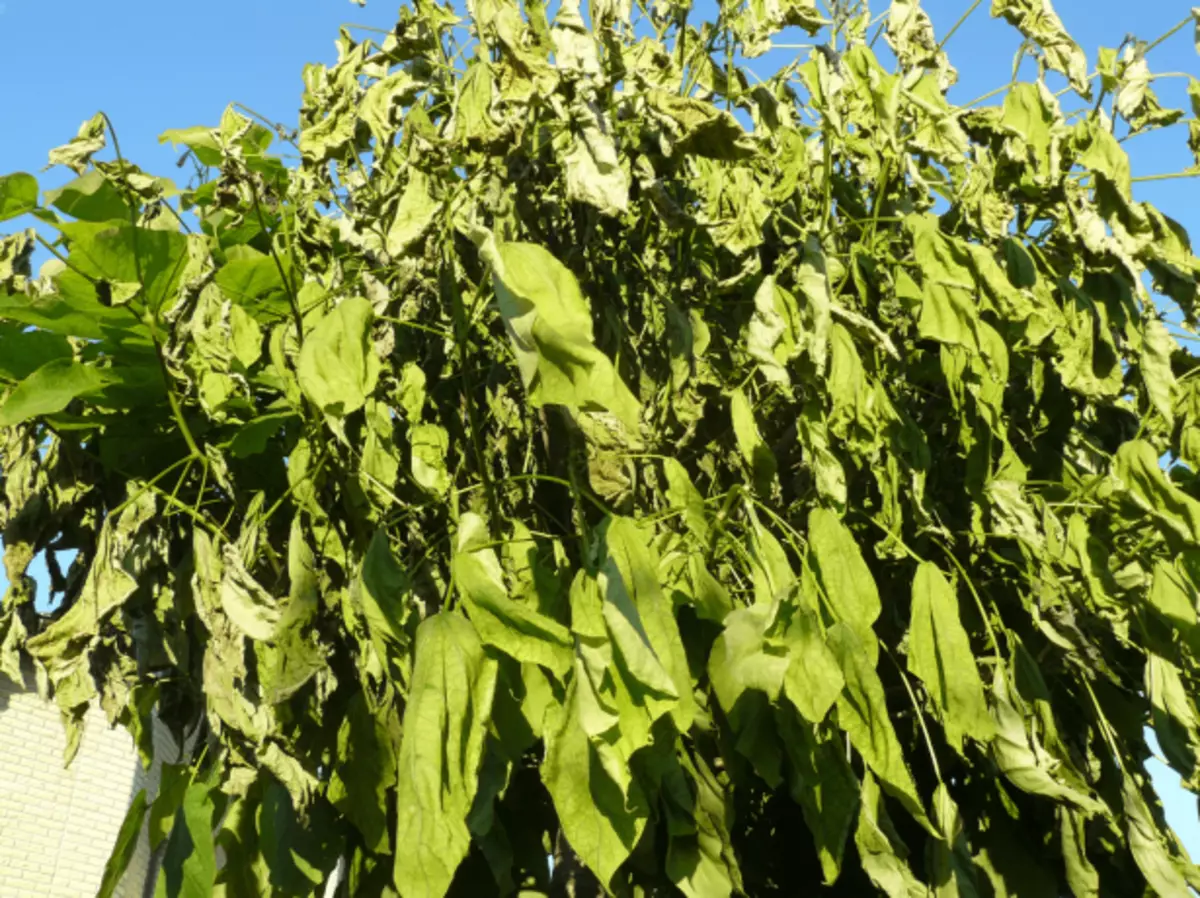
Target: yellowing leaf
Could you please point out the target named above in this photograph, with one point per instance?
(1037, 20)
(415, 213)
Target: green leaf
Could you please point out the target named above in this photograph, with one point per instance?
(883, 855)
(18, 195)
(1175, 719)
(683, 495)
(338, 366)
(601, 823)
(823, 784)
(90, 197)
(593, 167)
(51, 388)
(299, 846)
(24, 351)
(1157, 348)
(133, 260)
(78, 152)
(1136, 467)
(513, 627)
(1105, 156)
(1082, 876)
(697, 128)
(700, 856)
(1146, 843)
(948, 310)
(754, 450)
(384, 591)
(1024, 761)
(813, 680)
(174, 780)
(189, 866)
(430, 446)
(254, 610)
(1172, 595)
(846, 580)
(863, 714)
(248, 277)
(640, 619)
(1039, 23)
(448, 706)
(550, 325)
(75, 311)
(939, 652)
(415, 214)
(742, 659)
(252, 437)
(124, 847)
(363, 773)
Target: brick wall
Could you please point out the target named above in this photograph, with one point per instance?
(57, 826)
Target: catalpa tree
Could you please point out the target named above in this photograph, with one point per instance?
(584, 445)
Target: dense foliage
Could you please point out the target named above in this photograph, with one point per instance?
(591, 446)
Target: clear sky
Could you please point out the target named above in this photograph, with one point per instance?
(153, 65)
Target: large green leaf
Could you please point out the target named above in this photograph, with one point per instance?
(124, 847)
(939, 652)
(601, 823)
(51, 388)
(863, 714)
(550, 325)
(511, 626)
(449, 703)
(24, 351)
(132, 259)
(1136, 466)
(189, 866)
(338, 366)
(90, 197)
(364, 773)
(846, 580)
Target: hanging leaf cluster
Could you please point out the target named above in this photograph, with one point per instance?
(582, 443)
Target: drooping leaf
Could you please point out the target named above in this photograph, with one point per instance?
(511, 626)
(189, 865)
(124, 847)
(940, 654)
(550, 325)
(846, 580)
(449, 701)
(863, 714)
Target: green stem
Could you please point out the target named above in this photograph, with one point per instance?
(1167, 177)
(1181, 25)
(912, 697)
(63, 259)
(953, 28)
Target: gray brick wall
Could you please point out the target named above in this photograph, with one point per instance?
(57, 826)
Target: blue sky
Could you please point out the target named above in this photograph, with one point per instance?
(153, 65)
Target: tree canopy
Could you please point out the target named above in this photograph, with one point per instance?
(575, 440)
